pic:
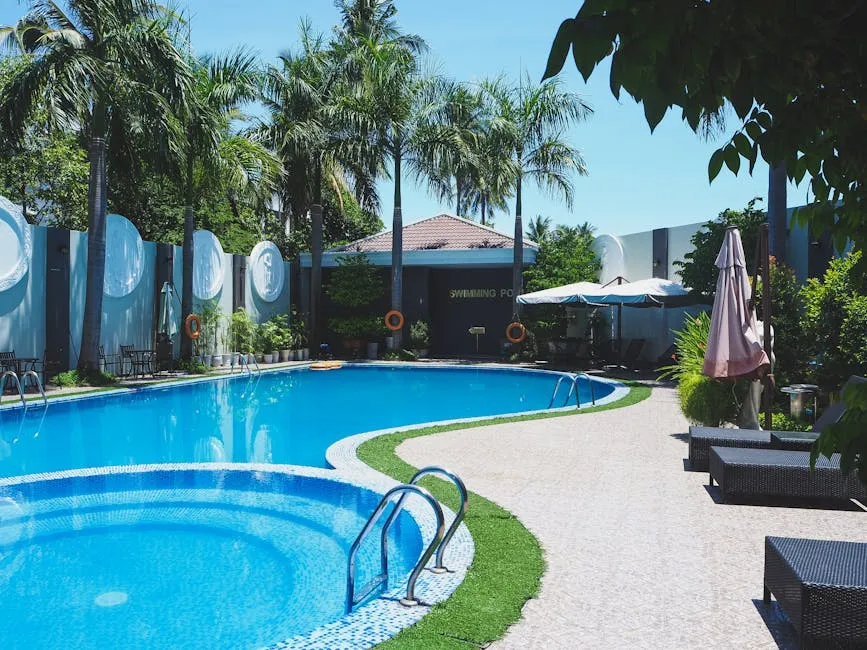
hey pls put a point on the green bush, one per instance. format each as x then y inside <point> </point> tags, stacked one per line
<point>708,402</point>
<point>834,322</point>
<point>74,378</point>
<point>791,352</point>
<point>193,367</point>
<point>782,422</point>
<point>691,343</point>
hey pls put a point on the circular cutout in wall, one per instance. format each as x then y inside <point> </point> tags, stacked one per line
<point>266,267</point>
<point>16,244</point>
<point>610,251</point>
<point>124,257</point>
<point>207,265</point>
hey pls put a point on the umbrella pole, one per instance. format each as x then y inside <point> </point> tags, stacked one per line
<point>767,395</point>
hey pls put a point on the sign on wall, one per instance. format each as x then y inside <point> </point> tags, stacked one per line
<point>16,242</point>
<point>470,294</point>
<point>267,271</point>
<point>124,257</point>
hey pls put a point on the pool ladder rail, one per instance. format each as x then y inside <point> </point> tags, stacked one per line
<point>243,365</point>
<point>438,544</point>
<point>573,388</point>
<point>20,383</point>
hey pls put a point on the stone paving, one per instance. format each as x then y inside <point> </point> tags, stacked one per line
<point>639,554</point>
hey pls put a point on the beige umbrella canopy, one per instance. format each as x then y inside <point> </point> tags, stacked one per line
<point>734,349</point>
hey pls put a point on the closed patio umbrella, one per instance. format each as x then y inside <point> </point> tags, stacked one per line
<point>168,323</point>
<point>734,349</point>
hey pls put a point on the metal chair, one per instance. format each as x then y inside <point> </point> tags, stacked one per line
<point>109,361</point>
<point>127,352</point>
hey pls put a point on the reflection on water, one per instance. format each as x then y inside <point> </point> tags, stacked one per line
<point>283,417</point>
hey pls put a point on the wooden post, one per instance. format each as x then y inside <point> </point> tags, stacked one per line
<point>765,262</point>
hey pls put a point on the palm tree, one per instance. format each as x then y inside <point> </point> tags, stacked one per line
<point>536,118</point>
<point>210,154</point>
<point>539,229</point>
<point>395,105</point>
<point>80,62</point>
<point>306,128</point>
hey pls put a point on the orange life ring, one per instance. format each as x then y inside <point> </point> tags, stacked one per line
<point>520,337</point>
<point>193,333</point>
<point>394,327</point>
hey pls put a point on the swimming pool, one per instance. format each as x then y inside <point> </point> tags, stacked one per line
<point>183,558</point>
<point>283,417</point>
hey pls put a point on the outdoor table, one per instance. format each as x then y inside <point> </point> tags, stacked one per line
<point>23,364</point>
<point>797,394</point>
<point>139,359</point>
<point>794,440</point>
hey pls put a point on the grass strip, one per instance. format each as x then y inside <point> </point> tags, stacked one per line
<point>508,563</point>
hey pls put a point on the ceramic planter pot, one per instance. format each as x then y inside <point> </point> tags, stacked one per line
<point>372,350</point>
<point>216,361</point>
<point>206,359</point>
<point>305,354</point>
<point>284,355</point>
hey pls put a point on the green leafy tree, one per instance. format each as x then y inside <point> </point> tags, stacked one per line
<point>107,67</point>
<point>565,256</point>
<point>698,270</point>
<point>535,118</point>
<point>802,111</point>
<point>833,321</point>
<point>791,351</point>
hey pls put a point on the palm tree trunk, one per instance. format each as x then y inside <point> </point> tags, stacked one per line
<point>187,283</point>
<point>458,196</point>
<point>315,260</point>
<point>518,259</point>
<point>777,211</point>
<point>91,330</point>
<point>397,249</point>
<point>233,205</point>
<point>484,209</point>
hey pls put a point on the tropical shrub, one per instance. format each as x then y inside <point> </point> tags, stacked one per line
<point>419,335</point>
<point>243,331</point>
<point>72,378</point>
<point>211,316</point>
<point>703,400</point>
<point>706,401</point>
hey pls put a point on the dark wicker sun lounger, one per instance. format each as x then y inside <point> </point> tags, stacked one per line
<point>772,475</point>
<point>822,588</point>
<point>701,439</point>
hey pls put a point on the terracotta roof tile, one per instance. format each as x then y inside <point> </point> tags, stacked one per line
<point>444,231</point>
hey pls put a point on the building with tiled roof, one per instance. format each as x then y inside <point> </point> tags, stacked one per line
<point>457,275</point>
<point>440,232</point>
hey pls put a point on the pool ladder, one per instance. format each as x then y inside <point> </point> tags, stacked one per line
<point>573,387</point>
<point>19,383</point>
<point>438,544</point>
<point>243,365</point>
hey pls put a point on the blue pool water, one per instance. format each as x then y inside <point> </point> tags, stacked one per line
<point>184,559</point>
<point>287,417</point>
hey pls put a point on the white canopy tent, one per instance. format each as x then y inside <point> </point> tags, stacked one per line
<point>652,292</point>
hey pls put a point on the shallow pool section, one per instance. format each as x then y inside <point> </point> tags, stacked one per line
<point>286,417</point>
<point>183,559</point>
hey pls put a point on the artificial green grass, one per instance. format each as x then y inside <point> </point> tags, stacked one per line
<point>508,563</point>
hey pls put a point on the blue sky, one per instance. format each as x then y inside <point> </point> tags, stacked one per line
<point>637,181</point>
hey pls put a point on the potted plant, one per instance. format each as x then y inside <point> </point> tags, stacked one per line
<point>301,339</point>
<point>419,338</point>
<point>210,317</point>
<point>351,329</point>
<point>243,333</point>
<point>375,331</point>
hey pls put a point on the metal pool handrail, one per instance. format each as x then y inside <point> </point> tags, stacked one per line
<point>11,373</point>
<point>351,599</point>
<point>439,567</point>
<point>32,373</point>
<point>573,381</point>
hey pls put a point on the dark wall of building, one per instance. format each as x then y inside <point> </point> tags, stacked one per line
<point>461,299</point>
<point>450,300</point>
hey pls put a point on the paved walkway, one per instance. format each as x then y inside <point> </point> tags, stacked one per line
<point>639,554</point>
